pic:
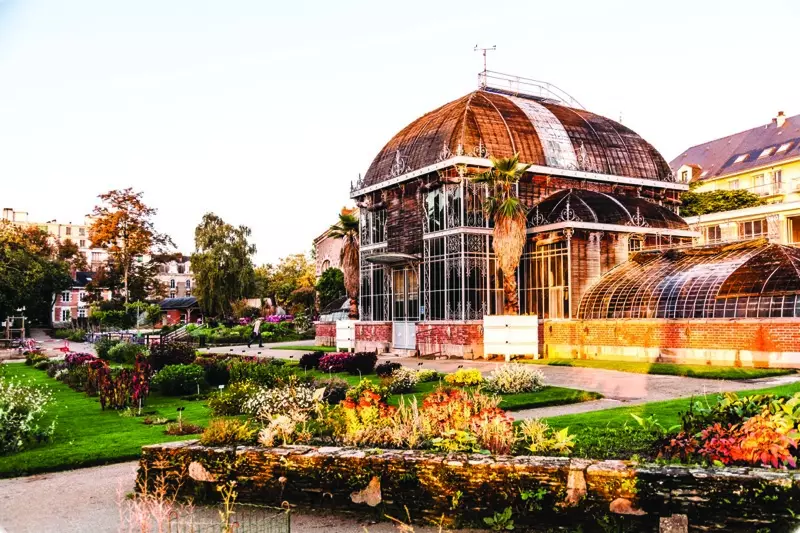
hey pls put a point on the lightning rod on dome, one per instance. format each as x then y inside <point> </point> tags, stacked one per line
<point>482,75</point>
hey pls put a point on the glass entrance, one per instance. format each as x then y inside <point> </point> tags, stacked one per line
<point>405,307</point>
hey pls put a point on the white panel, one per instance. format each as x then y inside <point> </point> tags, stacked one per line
<point>557,146</point>
<point>511,335</point>
<point>345,335</point>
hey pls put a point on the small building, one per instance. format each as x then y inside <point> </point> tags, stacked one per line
<point>328,250</point>
<point>175,275</point>
<point>180,310</point>
<point>764,160</point>
<point>71,307</point>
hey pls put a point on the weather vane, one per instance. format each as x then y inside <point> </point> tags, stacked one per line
<point>482,75</point>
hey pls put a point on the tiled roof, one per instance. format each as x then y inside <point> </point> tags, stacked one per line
<point>543,132</point>
<point>718,158</point>
<point>178,303</point>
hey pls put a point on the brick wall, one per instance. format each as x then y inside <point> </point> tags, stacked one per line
<point>325,333</point>
<point>740,342</point>
<point>460,339</point>
<point>371,336</point>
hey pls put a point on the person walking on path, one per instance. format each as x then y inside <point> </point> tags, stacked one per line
<point>256,334</point>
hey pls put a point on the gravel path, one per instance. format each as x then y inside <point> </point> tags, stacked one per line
<point>87,500</point>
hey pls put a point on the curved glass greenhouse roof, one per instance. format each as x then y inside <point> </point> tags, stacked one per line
<point>740,280</point>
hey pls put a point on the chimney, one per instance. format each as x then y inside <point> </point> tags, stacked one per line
<point>780,119</point>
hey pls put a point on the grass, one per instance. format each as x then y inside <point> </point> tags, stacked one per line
<point>86,435</point>
<point>326,349</point>
<point>671,369</point>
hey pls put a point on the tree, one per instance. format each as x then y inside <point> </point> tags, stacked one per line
<point>280,282</point>
<point>347,230</point>
<point>702,203</point>
<point>508,215</point>
<point>330,286</point>
<point>222,264</point>
<point>123,224</point>
<point>68,251</point>
<point>30,272</point>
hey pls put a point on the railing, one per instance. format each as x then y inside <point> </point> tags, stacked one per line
<point>177,335</point>
<point>421,337</point>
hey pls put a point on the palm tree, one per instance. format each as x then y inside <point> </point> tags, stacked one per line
<point>347,230</point>
<point>508,214</point>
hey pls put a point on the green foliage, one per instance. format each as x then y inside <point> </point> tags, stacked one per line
<point>112,318</point>
<point>177,380</point>
<point>125,352</point>
<point>222,264</point>
<point>330,286</point>
<point>103,346</point>
<point>500,521</point>
<point>228,431</point>
<point>456,441</point>
<point>73,335</point>
<point>262,372</point>
<point>171,353</point>
<point>32,358</point>
<point>22,415</point>
<point>216,368</point>
<point>701,203</point>
<point>540,439</point>
<point>231,399</point>
<point>368,385</point>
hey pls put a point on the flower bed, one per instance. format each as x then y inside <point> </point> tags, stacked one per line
<point>464,489</point>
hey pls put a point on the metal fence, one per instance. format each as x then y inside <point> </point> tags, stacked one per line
<point>245,519</point>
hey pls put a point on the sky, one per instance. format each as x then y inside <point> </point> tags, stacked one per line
<point>263,112</point>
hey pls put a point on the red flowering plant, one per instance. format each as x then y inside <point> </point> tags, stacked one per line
<point>140,380</point>
<point>74,359</point>
<point>335,362</point>
<point>766,439</point>
<point>97,371</point>
<point>718,443</point>
<point>494,430</point>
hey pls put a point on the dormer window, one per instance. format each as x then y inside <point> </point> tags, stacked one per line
<point>742,158</point>
<point>784,147</point>
<point>767,152</point>
<point>685,176</point>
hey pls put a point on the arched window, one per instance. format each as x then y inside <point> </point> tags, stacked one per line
<point>188,284</point>
<point>326,265</point>
<point>172,284</point>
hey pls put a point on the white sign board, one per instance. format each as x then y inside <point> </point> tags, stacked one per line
<point>345,335</point>
<point>511,335</point>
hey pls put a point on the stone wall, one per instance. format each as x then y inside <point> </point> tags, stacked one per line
<point>458,339</point>
<point>371,336</point>
<point>736,342</point>
<point>325,333</point>
<point>464,489</point>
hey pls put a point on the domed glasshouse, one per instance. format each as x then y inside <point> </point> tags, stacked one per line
<point>594,192</point>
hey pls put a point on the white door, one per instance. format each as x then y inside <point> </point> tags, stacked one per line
<point>405,308</point>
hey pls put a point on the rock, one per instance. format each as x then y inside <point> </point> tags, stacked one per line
<point>371,495</point>
<point>199,473</point>
<point>677,523</point>
<point>624,506</point>
<point>576,487</point>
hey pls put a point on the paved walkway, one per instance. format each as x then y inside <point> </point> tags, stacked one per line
<point>88,500</point>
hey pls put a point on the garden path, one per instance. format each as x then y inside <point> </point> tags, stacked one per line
<point>87,500</point>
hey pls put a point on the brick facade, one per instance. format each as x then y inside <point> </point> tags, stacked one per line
<point>735,342</point>
<point>71,307</point>
<point>460,339</point>
<point>371,336</point>
<point>325,333</point>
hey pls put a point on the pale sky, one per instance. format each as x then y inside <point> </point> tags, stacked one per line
<point>264,111</point>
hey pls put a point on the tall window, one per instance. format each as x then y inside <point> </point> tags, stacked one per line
<point>172,283</point>
<point>82,231</point>
<point>453,206</point>
<point>65,315</point>
<point>96,257</point>
<point>712,234</point>
<point>376,288</point>
<point>188,284</point>
<point>544,280</point>
<point>68,230</point>
<point>685,176</point>
<point>82,243</point>
<point>65,296</point>
<point>760,185</point>
<point>373,227</point>
<point>753,229</point>
<point>172,293</point>
<point>733,185</point>
<point>81,312</point>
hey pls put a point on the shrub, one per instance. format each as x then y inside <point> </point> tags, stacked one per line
<point>514,379</point>
<point>228,431</point>
<point>289,400</point>
<point>183,428</point>
<point>361,363</point>
<point>176,380</point>
<point>121,387</point>
<point>76,377</point>
<point>22,412</point>
<point>73,359</point>
<point>384,370</point>
<point>403,380</point>
<point>335,389</point>
<point>310,361</point>
<point>334,362</point>
<point>74,335</point>
<point>171,353</point>
<point>494,430</point>
<point>216,368</point>
<point>368,385</point>
<point>259,371</point>
<point>55,367</point>
<point>42,365</point>
<point>125,352</point>
<point>464,377</point>
<point>103,346</point>
<point>31,358</point>
<point>230,400</point>
<point>427,375</point>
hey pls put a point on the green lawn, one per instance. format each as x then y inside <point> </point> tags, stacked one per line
<point>672,369</point>
<point>326,349</point>
<point>85,435</point>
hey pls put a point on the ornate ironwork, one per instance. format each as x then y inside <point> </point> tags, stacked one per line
<point>479,151</point>
<point>568,233</point>
<point>568,214</point>
<point>538,218</point>
<point>399,167</point>
<point>387,291</point>
<point>358,184</point>
<point>638,220</point>
<point>445,153</point>
<point>476,243</point>
<point>773,228</point>
<point>583,158</point>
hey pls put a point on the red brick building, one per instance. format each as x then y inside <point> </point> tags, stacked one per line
<point>71,306</point>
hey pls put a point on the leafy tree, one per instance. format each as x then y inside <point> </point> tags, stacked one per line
<point>282,282</point>
<point>508,214</point>
<point>68,251</point>
<point>330,286</point>
<point>702,203</point>
<point>347,230</point>
<point>30,272</point>
<point>222,264</point>
<point>123,223</point>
